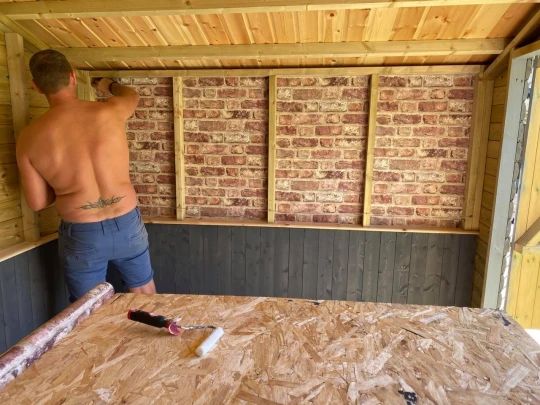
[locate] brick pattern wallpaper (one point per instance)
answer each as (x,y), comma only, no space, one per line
(423,128)
(422,136)
(226,146)
(321,141)
(151,142)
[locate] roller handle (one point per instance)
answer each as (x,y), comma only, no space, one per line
(158,321)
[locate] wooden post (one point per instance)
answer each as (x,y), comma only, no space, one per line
(478,143)
(272,89)
(372,125)
(20,111)
(179,151)
(84,86)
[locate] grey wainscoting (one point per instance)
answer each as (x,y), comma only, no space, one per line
(411,268)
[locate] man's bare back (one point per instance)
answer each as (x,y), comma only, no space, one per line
(79,149)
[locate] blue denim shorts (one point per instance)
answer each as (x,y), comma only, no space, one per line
(87,249)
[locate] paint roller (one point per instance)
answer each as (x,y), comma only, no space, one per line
(159,321)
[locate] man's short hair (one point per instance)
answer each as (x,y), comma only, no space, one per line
(50,70)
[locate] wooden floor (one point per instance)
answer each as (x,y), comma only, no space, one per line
(286,351)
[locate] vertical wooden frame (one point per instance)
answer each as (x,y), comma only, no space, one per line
(84,86)
(372,125)
(178,102)
(20,112)
(272,89)
(478,143)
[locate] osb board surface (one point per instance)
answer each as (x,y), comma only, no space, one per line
(342,25)
(286,351)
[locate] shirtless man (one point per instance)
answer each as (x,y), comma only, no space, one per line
(77,155)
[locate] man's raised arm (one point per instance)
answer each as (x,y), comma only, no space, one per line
(124,98)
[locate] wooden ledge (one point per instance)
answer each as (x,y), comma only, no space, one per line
(12,251)
(305,225)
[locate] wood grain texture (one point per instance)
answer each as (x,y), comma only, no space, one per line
(325,352)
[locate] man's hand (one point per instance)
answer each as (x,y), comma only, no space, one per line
(102,86)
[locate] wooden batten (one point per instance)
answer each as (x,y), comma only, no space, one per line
(477,152)
(370,150)
(20,110)
(272,89)
(300,71)
(179,150)
(265,51)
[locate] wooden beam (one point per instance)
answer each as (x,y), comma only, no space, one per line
(265,72)
(531,237)
(501,62)
(106,8)
(272,89)
(478,143)
(372,126)
(178,101)
(262,51)
(524,50)
(20,111)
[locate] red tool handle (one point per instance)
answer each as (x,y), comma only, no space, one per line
(158,321)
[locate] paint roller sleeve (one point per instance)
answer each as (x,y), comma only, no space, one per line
(209,343)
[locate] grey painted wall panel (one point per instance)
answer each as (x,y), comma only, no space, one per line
(315,264)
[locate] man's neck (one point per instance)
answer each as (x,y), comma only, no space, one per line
(62,97)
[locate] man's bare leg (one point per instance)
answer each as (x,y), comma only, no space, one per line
(148,288)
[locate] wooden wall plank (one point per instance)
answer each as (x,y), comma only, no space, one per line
(196,254)
(355,265)
(8,285)
(281,262)
(530,265)
(24,298)
(3,310)
(325,265)
(370,148)
(467,247)
(310,264)
(371,267)
(19,104)
(210,260)
(238,261)
(418,268)
(432,280)
(168,279)
(385,277)
(182,280)
(267,257)
(253,260)
(39,288)
(450,260)
(224,258)
(477,153)
(296,260)
(339,265)
(402,265)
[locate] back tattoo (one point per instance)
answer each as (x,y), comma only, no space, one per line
(101,203)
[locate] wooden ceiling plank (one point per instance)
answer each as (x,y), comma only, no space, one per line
(107,8)
(344,49)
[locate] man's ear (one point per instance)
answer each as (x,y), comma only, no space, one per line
(73,78)
(36,88)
